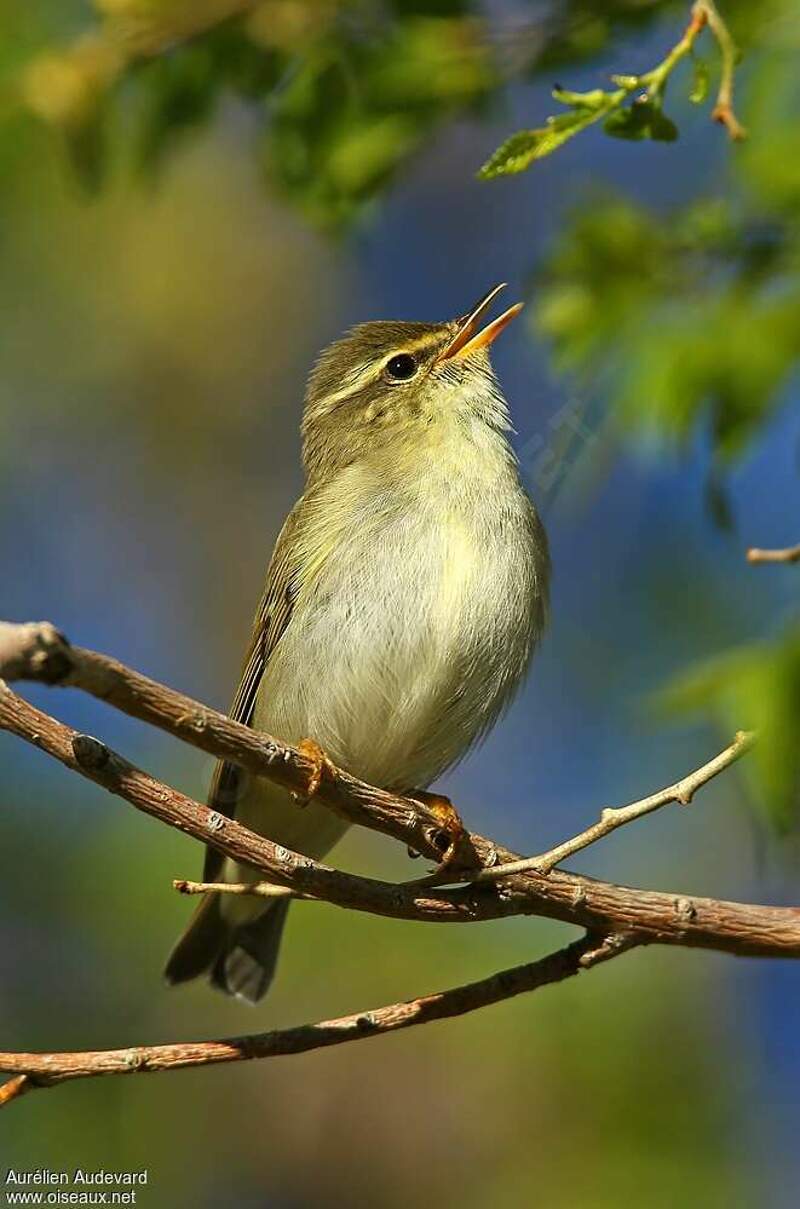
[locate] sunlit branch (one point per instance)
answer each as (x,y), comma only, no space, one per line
(39,652)
(623,915)
(249,889)
(610,819)
(789,554)
(45,1070)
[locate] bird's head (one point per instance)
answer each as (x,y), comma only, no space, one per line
(384,383)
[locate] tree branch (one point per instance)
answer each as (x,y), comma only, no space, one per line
(46,1070)
(37,651)
(723,109)
(623,916)
(610,819)
(12,1089)
(790,554)
(249,889)
(654,916)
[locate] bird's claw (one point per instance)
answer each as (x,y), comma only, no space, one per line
(319,765)
(450,832)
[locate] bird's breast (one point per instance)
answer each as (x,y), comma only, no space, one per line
(416,626)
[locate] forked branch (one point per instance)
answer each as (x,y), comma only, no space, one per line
(598,906)
(611,818)
(499,882)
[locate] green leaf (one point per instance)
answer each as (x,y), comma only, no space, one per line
(631,122)
(700,79)
(596,99)
(642,120)
(662,128)
(519,152)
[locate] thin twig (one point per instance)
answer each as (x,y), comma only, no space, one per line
(250,889)
(656,79)
(12,1089)
(790,554)
(723,110)
(610,819)
(46,1070)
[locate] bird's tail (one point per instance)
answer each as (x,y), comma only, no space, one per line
(239,958)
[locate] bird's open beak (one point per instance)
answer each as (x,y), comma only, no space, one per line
(467,338)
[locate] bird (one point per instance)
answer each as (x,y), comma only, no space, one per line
(406,593)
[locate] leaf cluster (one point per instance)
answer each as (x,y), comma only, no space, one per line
(342,91)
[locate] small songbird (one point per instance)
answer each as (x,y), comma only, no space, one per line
(404,598)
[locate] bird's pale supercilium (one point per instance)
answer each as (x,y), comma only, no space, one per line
(404,598)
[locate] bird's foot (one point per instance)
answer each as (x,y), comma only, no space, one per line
(450,831)
(319,765)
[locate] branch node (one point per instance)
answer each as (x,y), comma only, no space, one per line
(685,910)
(578,897)
(36,651)
(90,753)
(197,722)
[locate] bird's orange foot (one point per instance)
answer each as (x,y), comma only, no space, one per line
(450,832)
(319,765)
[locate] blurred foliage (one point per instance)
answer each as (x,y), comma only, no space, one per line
(343,91)
(691,317)
(685,320)
(687,324)
(754,686)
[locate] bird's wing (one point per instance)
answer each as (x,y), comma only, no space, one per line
(273,616)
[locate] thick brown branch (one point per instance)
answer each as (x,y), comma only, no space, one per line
(94,760)
(599,906)
(37,651)
(45,1070)
(623,916)
(790,554)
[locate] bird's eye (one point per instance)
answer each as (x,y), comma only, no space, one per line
(401,367)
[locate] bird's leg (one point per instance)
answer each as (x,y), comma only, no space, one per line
(319,765)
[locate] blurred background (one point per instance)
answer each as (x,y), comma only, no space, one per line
(194,199)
